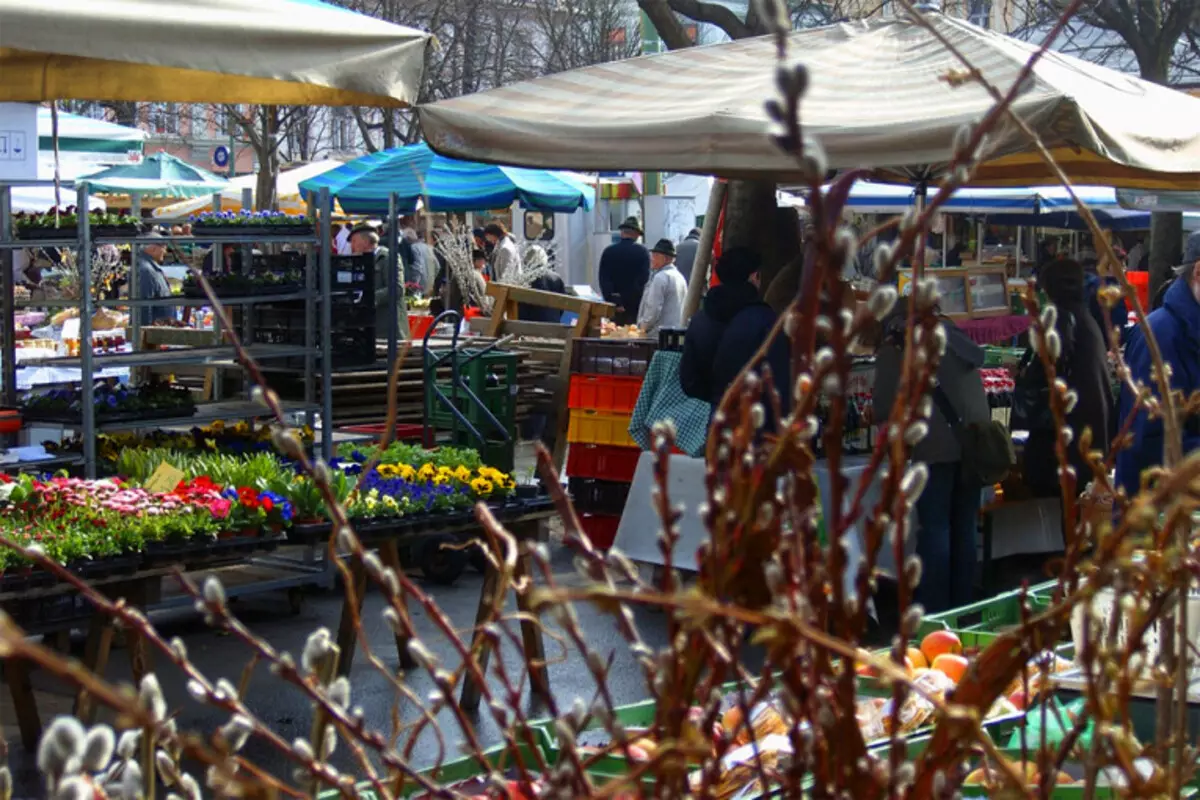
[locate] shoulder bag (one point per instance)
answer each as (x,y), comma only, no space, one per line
(987,449)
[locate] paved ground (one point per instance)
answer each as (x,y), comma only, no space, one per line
(287,713)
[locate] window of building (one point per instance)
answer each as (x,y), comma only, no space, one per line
(980,13)
(164,118)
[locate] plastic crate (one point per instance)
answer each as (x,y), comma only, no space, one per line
(671,339)
(600,529)
(603,462)
(491,377)
(352,335)
(597,427)
(285,261)
(599,497)
(612,356)
(615,393)
(978,624)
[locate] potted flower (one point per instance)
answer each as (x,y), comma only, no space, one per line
(65,224)
(227,223)
(247,514)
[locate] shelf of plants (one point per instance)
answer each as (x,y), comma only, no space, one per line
(282,277)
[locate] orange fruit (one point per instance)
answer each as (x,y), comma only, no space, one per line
(952,666)
(917,658)
(731,720)
(940,643)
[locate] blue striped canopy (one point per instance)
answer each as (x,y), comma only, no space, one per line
(414,172)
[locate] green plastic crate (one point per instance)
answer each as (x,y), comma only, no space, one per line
(492,377)
(463,768)
(1001,356)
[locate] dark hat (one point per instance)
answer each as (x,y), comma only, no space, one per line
(630,224)
(1191,254)
(665,247)
(365,227)
(738,264)
(477,233)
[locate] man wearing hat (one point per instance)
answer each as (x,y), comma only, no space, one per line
(1176,327)
(152,283)
(364,240)
(662,301)
(624,270)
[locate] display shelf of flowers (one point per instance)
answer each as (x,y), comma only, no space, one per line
(236,284)
(65,224)
(236,223)
(112,403)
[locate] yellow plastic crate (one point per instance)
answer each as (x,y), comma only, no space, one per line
(596,427)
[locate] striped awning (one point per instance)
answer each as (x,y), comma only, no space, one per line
(879,98)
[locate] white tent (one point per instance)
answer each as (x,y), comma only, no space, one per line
(37,199)
(287,190)
(85,145)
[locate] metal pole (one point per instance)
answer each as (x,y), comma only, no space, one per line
(247,266)
(698,281)
(310,314)
(393,278)
(135,317)
(87,388)
(218,374)
(8,321)
(326,329)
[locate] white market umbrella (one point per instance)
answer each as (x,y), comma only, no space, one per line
(282,52)
(158,175)
(878,98)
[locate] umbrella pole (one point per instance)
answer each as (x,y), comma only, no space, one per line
(57,178)
(393,288)
(698,281)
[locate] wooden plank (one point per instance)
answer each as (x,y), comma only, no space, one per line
(347,638)
(536,297)
(16,672)
(95,658)
(481,646)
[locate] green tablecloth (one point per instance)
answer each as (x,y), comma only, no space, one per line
(661,399)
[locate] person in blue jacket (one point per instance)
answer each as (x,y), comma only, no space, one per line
(727,331)
(1176,326)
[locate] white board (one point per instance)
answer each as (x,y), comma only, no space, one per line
(18,141)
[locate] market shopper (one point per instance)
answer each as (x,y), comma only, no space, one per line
(662,300)
(1176,327)
(506,258)
(1083,364)
(152,282)
(624,270)
(364,239)
(948,509)
(685,254)
(728,330)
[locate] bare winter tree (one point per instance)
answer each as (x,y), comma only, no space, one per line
(584,32)
(1158,40)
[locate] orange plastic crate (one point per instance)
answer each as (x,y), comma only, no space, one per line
(604,392)
(598,427)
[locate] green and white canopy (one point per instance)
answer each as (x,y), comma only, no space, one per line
(85,144)
(160,175)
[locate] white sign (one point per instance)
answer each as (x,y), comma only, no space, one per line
(18,142)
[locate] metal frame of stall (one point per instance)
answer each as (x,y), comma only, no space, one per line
(308,571)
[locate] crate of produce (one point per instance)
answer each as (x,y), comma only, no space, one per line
(598,497)
(597,427)
(352,335)
(616,393)
(978,624)
(612,356)
(603,462)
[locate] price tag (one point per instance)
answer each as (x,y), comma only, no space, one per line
(164,479)
(70,329)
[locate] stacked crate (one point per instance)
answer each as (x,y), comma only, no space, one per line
(606,378)
(492,378)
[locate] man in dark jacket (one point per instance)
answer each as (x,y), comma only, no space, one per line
(624,270)
(728,330)
(685,254)
(1176,326)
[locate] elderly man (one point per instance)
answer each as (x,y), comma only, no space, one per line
(1176,327)
(624,270)
(662,301)
(152,283)
(685,254)
(365,240)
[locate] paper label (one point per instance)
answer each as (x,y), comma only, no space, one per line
(70,329)
(164,479)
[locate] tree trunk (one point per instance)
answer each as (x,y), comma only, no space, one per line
(750,221)
(1166,248)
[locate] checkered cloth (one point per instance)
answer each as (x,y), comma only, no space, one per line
(662,398)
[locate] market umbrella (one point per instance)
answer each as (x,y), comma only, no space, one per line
(415,174)
(878,98)
(287,193)
(161,174)
(283,52)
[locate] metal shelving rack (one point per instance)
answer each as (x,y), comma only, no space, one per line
(224,356)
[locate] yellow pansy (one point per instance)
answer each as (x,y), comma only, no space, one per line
(440,480)
(482,486)
(407,472)
(462,473)
(211,444)
(426,472)
(388,470)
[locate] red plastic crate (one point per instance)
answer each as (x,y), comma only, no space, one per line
(602,462)
(616,393)
(600,529)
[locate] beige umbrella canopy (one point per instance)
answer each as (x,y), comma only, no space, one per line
(282,52)
(878,98)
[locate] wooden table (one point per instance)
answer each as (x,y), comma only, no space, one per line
(527,526)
